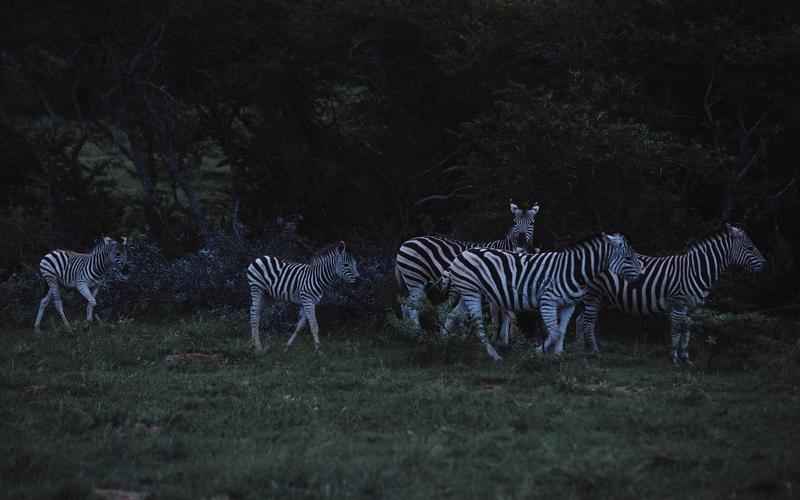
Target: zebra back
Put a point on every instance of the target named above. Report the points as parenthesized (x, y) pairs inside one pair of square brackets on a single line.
[(516, 281), (687, 277), (421, 260), (71, 268), (289, 280)]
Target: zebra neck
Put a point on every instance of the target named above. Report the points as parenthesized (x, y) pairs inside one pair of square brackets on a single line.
[(102, 261), (323, 272), (708, 261), (587, 262)]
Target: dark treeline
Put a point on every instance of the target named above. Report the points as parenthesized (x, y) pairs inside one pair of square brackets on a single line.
[(383, 120)]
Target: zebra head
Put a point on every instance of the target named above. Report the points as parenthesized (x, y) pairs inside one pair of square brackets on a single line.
[(116, 253), (742, 250), (346, 267), (521, 232), (623, 259)]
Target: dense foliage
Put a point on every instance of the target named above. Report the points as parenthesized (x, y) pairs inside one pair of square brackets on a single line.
[(382, 120)]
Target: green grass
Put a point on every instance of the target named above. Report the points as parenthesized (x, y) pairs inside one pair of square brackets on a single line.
[(377, 417)]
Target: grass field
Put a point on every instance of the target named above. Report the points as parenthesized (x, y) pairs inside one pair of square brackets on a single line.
[(122, 406)]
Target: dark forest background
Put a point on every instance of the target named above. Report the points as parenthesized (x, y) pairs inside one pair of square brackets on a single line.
[(190, 123)]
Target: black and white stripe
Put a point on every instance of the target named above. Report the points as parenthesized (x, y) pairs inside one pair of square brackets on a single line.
[(422, 260), (301, 284), (83, 271), (552, 282), (672, 284)]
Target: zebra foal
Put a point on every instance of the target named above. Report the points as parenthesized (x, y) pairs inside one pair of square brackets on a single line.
[(552, 282), (83, 271), (672, 284), (301, 284), (422, 260)]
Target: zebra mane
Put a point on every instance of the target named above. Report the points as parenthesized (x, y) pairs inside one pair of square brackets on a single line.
[(584, 240), (324, 252), (100, 245), (695, 243)]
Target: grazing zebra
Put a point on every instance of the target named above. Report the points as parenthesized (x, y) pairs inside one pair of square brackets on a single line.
[(422, 260), (301, 284), (553, 282), (674, 284), (83, 271)]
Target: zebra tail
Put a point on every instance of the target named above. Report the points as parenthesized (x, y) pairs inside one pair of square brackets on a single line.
[(439, 291), (401, 283)]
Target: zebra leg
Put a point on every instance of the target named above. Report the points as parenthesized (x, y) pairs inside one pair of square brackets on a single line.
[(564, 316), (495, 312), (679, 324), (505, 328), (473, 307), (453, 316), (87, 294), (687, 334), (311, 317), (60, 306), (586, 325), (413, 304), (301, 323), (548, 310), (90, 317), (42, 306), (256, 304)]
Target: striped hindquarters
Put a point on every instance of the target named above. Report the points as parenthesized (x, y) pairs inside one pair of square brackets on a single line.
[(276, 278), (509, 280), (68, 268), (423, 259)]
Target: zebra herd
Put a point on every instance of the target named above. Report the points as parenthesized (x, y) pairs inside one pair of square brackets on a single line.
[(509, 274)]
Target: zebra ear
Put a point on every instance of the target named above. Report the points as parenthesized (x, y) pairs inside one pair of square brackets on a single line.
[(106, 240), (124, 241), (534, 209), (736, 231), (341, 247), (514, 208), (613, 238)]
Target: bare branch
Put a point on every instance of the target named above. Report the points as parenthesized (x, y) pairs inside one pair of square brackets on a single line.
[(76, 150), (159, 88), (75, 103), (779, 194), (235, 223), (151, 43), (124, 150), (747, 166), (453, 194), (707, 99)]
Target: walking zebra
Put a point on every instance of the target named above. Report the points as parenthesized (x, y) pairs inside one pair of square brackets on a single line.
[(301, 284), (423, 259), (553, 282), (674, 284), (83, 271)]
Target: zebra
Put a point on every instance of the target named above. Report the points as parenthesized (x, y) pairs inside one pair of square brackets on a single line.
[(301, 284), (422, 260), (673, 284), (554, 282), (83, 271)]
